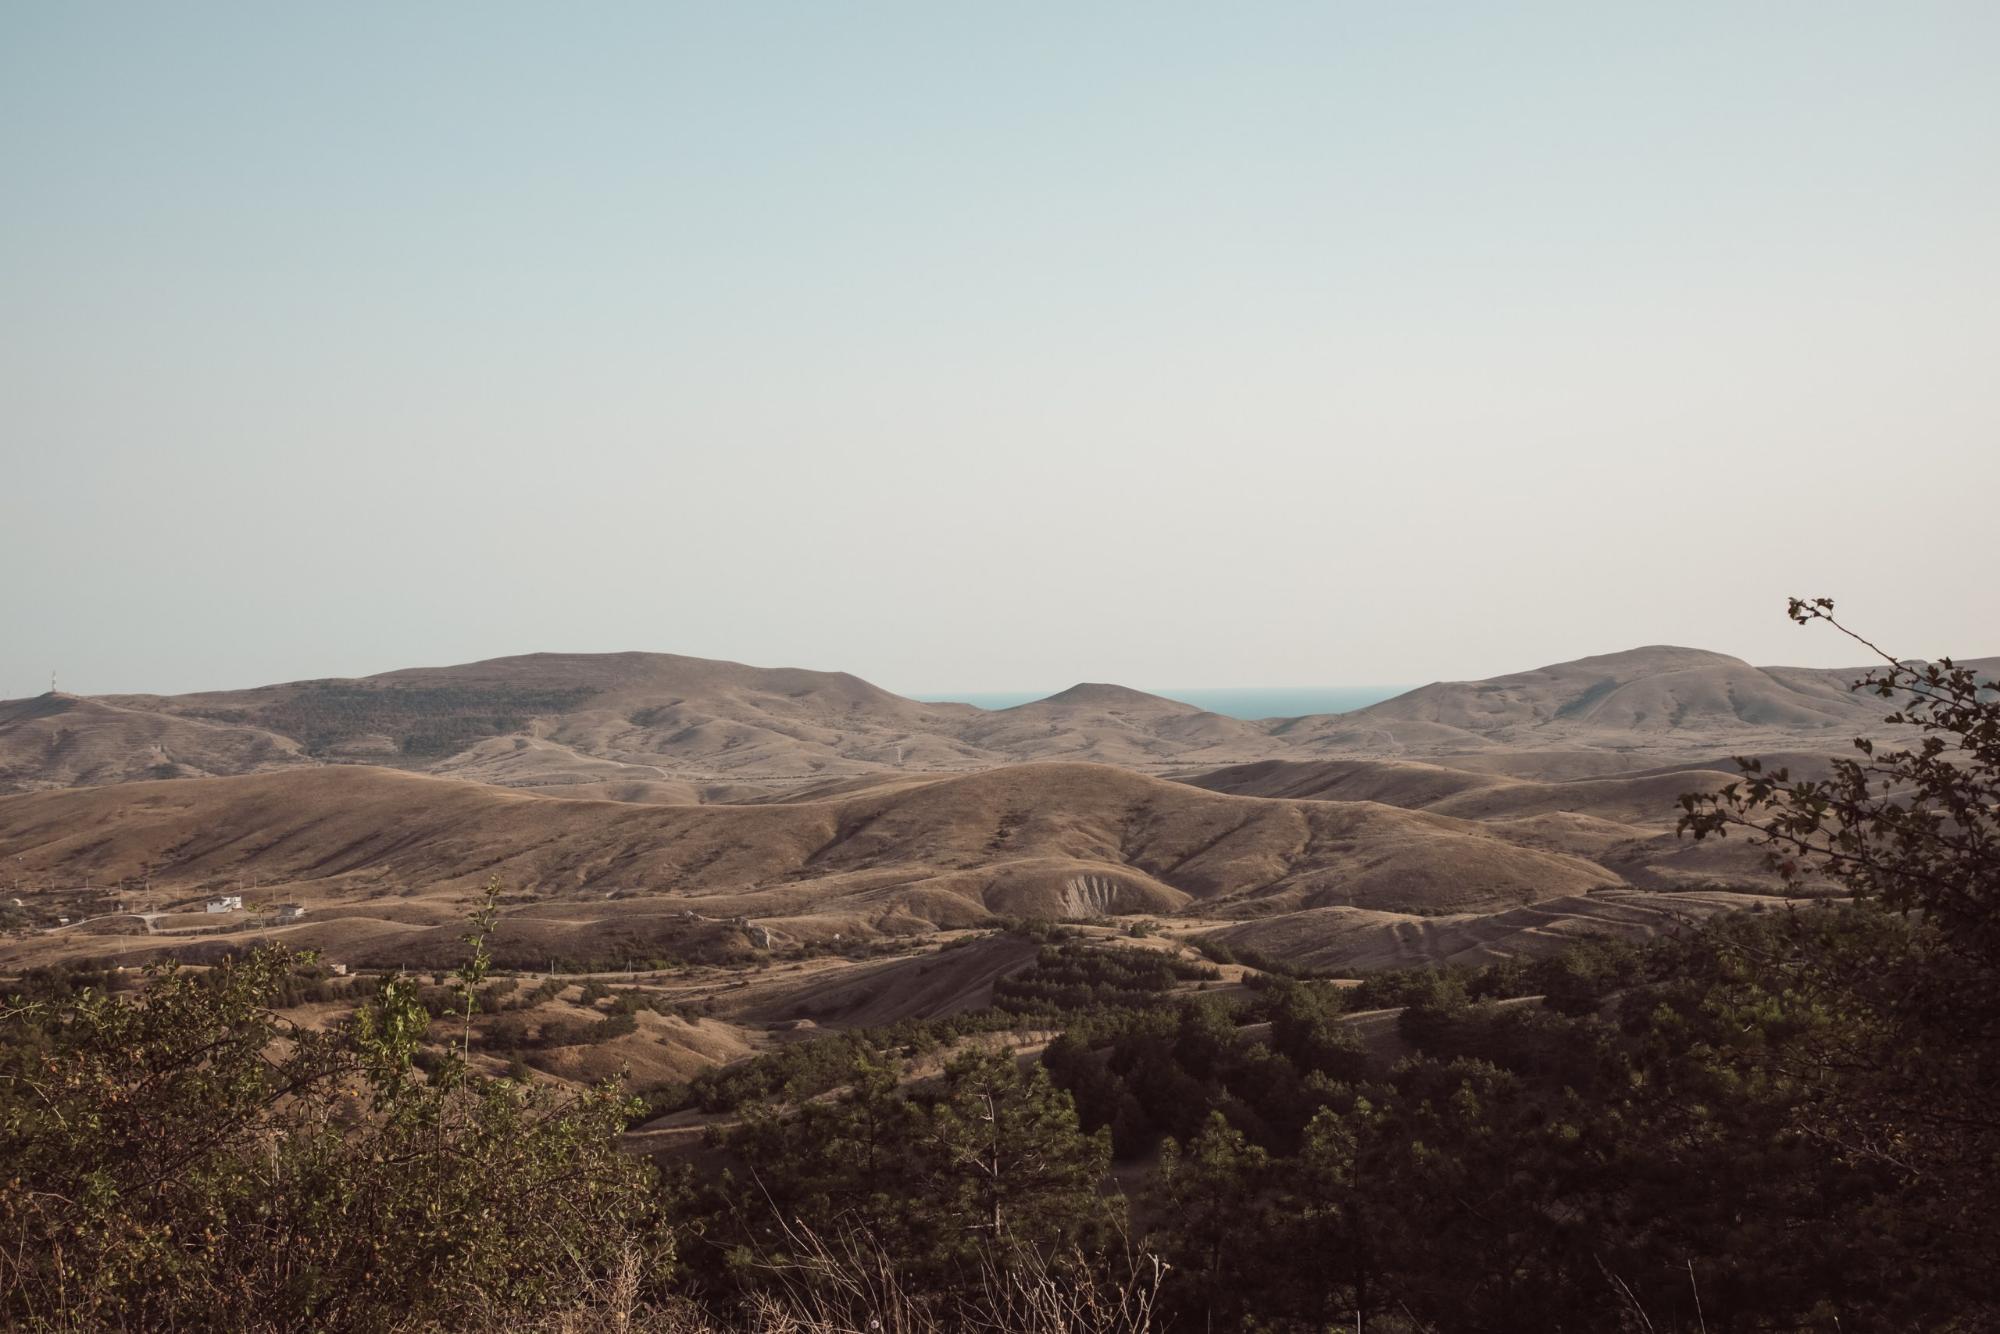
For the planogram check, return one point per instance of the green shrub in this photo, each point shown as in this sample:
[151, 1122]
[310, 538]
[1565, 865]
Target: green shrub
[188, 1159]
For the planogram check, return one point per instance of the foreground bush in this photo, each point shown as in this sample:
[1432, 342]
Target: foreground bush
[186, 1159]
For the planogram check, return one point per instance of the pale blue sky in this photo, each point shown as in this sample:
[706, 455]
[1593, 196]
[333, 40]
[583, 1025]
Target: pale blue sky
[990, 347]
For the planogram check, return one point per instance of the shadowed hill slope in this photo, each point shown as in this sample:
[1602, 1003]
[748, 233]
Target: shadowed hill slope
[64, 741]
[1647, 797]
[1624, 822]
[1356, 940]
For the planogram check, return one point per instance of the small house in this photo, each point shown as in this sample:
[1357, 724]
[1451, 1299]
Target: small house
[291, 912]
[225, 903]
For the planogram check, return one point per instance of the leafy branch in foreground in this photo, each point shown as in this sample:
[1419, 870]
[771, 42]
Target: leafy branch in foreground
[1911, 828]
[478, 959]
[1889, 1033]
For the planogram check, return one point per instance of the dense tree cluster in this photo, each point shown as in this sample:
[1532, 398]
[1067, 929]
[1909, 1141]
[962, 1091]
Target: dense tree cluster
[1072, 977]
[941, 1178]
[1532, 1169]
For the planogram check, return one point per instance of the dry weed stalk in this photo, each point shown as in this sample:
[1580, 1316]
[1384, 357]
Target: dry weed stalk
[851, 1286]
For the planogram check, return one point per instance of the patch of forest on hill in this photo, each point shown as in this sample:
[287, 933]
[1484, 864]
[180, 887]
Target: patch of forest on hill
[424, 722]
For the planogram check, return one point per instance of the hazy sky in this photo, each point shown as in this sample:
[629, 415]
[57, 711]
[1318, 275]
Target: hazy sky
[992, 346]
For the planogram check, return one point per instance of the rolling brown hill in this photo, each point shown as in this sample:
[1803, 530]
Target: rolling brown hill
[635, 804]
[387, 860]
[597, 717]
[1659, 699]
[1656, 689]
[649, 727]
[665, 729]
[59, 740]
[1111, 724]
[1623, 821]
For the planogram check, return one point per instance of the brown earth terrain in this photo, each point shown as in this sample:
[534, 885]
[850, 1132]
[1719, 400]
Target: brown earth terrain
[788, 849]
[659, 728]
[383, 861]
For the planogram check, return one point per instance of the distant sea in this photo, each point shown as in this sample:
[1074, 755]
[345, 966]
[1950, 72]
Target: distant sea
[1235, 702]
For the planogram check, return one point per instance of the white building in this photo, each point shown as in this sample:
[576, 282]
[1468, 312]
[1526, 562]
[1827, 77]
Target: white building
[291, 912]
[226, 903]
